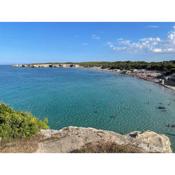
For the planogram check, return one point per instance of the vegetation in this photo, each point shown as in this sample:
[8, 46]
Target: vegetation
[14, 124]
[107, 147]
[166, 66]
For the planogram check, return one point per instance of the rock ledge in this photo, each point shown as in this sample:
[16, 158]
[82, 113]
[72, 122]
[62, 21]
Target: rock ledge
[79, 139]
[90, 140]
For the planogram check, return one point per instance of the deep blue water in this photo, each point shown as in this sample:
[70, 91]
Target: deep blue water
[90, 98]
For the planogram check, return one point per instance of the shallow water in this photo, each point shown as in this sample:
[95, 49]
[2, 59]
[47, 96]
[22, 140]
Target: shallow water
[89, 98]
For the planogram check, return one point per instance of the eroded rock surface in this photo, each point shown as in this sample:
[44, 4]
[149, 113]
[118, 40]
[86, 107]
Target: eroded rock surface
[79, 139]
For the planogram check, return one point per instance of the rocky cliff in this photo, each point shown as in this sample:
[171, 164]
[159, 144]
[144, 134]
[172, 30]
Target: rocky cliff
[90, 140]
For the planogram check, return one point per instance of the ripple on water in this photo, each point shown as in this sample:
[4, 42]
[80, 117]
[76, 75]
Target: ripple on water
[89, 98]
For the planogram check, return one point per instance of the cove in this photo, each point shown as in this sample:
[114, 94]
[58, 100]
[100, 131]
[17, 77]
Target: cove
[89, 98]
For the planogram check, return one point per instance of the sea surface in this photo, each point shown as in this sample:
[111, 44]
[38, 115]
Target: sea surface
[89, 98]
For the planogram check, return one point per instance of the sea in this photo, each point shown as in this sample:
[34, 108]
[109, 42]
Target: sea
[89, 98]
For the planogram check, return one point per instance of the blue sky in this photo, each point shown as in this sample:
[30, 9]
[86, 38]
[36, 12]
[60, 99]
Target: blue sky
[51, 42]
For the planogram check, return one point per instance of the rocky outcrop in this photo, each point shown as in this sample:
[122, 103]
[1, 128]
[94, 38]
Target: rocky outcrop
[79, 139]
[51, 65]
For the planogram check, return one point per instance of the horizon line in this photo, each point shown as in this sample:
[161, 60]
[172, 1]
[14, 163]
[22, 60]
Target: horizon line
[74, 62]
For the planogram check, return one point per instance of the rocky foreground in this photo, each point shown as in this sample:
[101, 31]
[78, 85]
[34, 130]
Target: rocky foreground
[90, 140]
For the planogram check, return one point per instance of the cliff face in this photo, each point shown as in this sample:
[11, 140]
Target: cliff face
[51, 65]
[79, 139]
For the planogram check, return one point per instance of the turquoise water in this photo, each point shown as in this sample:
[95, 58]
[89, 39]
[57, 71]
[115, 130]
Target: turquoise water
[89, 98]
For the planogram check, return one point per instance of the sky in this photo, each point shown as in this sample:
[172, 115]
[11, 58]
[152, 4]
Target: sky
[76, 42]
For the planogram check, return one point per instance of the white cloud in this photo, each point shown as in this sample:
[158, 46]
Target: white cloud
[141, 44]
[94, 36]
[157, 50]
[166, 50]
[153, 26]
[151, 44]
[171, 36]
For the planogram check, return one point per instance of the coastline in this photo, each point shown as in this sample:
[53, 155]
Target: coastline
[151, 76]
[155, 80]
[107, 70]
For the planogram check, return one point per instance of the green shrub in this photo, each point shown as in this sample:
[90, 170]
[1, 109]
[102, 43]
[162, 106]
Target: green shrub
[128, 65]
[14, 124]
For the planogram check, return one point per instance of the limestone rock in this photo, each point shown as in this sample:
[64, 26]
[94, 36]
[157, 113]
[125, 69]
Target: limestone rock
[79, 139]
[90, 140]
[151, 141]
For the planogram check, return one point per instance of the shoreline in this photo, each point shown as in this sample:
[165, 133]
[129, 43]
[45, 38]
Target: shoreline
[146, 75]
[155, 80]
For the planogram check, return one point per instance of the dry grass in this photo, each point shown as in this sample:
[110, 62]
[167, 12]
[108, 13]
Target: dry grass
[108, 147]
[20, 145]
